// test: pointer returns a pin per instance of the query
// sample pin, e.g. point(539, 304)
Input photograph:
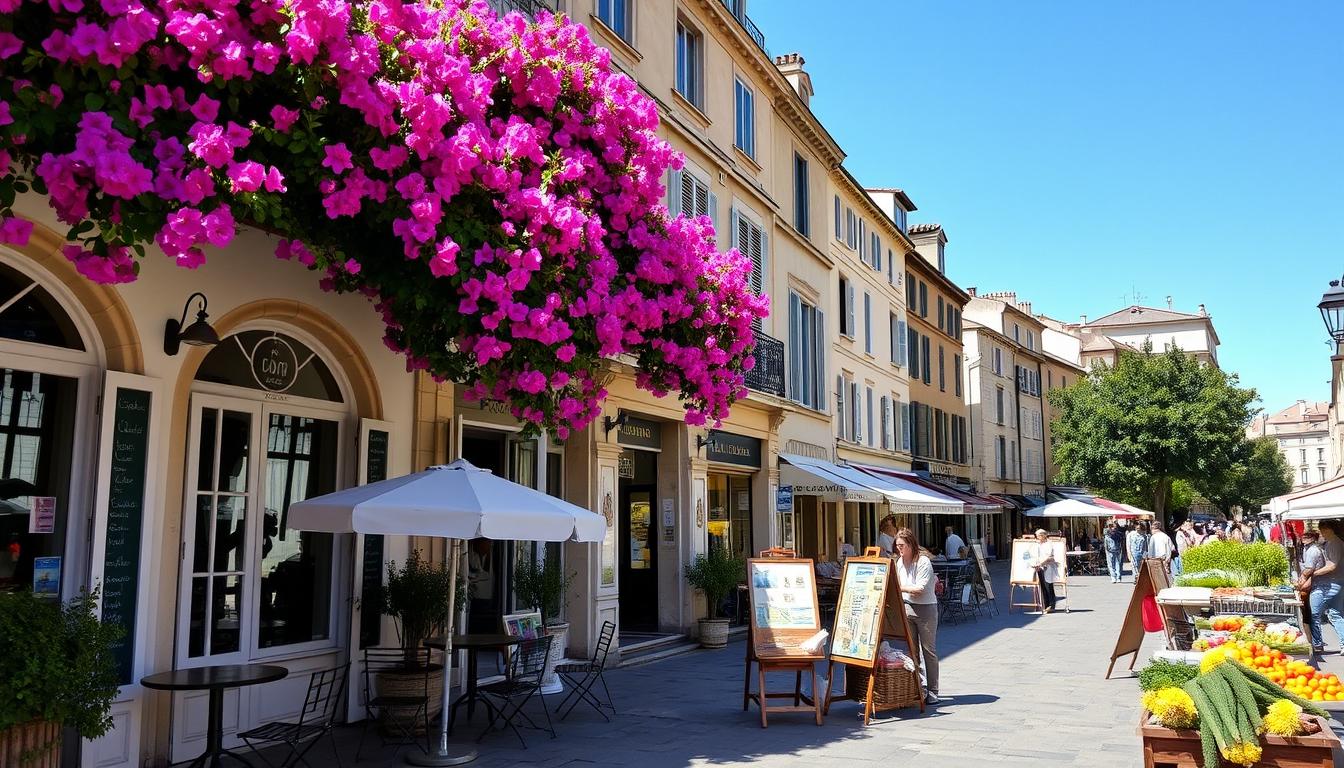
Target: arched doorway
point(271, 422)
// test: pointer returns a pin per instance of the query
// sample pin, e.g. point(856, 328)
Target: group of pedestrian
point(1320, 576)
point(1140, 541)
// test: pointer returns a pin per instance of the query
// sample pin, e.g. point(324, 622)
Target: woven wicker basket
point(893, 687)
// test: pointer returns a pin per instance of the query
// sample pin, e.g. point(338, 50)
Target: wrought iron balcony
point(738, 8)
point(529, 8)
point(768, 375)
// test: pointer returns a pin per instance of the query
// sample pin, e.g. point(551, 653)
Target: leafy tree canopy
point(1135, 428)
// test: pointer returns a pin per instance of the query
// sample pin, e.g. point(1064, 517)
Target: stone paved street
point(1021, 690)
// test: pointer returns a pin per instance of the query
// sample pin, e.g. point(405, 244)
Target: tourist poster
point(858, 617)
point(783, 595)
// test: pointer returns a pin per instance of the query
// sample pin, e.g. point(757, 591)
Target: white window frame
point(744, 118)
point(609, 21)
point(691, 69)
point(996, 361)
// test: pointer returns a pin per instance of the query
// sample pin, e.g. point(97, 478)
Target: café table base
point(214, 739)
point(442, 757)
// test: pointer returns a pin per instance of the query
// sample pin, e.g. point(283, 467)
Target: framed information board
point(859, 613)
point(375, 442)
point(784, 610)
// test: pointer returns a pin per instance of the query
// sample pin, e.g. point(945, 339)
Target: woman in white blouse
point(1047, 570)
point(921, 607)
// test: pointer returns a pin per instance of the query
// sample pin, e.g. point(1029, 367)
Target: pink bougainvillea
point(490, 184)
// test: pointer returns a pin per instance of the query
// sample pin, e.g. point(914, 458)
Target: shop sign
point(43, 516)
point(371, 577)
point(275, 366)
point(641, 433)
point(129, 454)
point(784, 498)
point(669, 523)
point(625, 467)
point(728, 448)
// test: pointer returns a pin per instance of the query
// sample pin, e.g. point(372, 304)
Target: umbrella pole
point(445, 756)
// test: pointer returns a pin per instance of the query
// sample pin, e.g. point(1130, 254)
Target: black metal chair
point(326, 695)
point(582, 676)
point(506, 698)
point(401, 709)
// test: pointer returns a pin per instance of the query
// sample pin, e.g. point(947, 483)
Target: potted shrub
point(543, 586)
point(716, 573)
point(58, 671)
point(416, 597)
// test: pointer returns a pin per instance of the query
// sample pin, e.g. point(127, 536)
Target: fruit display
point(1229, 702)
point(1279, 636)
point(1229, 623)
point(1294, 676)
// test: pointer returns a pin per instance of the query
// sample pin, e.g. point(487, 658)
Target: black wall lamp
point(706, 439)
point(608, 423)
point(198, 334)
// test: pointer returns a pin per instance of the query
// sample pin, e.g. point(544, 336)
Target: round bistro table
point(472, 644)
point(216, 680)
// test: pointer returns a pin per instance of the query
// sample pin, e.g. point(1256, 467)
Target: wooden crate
point(1168, 748)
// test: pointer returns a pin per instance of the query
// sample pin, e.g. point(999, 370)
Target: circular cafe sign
point(275, 366)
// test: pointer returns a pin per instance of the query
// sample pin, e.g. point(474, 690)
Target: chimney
point(971, 291)
point(1301, 409)
point(1202, 311)
point(1083, 320)
point(790, 65)
point(1168, 302)
point(1025, 306)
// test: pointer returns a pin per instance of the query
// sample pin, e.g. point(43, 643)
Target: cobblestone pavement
point(1019, 689)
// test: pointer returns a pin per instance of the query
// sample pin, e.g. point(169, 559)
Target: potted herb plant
point(416, 597)
point(542, 586)
point(58, 670)
point(716, 573)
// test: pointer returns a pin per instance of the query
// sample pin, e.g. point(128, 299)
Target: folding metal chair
point(506, 698)
point(414, 701)
point(583, 676)
point(326, 694)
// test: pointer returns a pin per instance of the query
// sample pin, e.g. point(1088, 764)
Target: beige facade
point(1136, 325)
point(1303, 434)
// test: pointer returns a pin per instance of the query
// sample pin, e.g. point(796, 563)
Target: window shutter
point(821, 343)
point(842, 428)
point(856, 412)
point(700, 193)
point(733, 233)
point(795, 347)
point(877, 252)
point(849, 300)
point(887, 425)
point(867, 322)
point(871, 430)
point(839, 225)
point(902, 352)
point(891, 268)
point(863, 246)
point(714, 210)
point(674, 194)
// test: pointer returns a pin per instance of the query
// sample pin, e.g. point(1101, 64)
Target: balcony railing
point(529, 8)
point(768, 375)
point(738, 8)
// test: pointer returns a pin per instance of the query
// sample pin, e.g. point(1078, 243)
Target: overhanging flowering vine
point(490, 184)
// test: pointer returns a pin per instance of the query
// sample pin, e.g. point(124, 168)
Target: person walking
point(1134, 547)
point(1114, 543)
point(1047, 569)
point(1332, 588)
point(921, 607)
point(1236, 533)
point(1185, 539)
point(1313, 559)
point(1160, 546)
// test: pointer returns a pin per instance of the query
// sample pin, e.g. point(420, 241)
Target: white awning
point(909, 497)
point(814, 477)
point(1071, 507)
point(1322, 501)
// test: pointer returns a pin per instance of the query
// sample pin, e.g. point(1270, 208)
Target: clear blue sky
point(1078, 151)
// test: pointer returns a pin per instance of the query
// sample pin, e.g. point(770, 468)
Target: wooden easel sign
point(869, 610)
point(1022, 575)
point(784, 616)
point(979, 551)
point(1152, 579)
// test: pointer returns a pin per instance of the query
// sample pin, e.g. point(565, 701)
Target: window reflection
point(301, 462)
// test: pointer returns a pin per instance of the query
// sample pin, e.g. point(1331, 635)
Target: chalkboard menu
point(371, 579)
point(125, 518)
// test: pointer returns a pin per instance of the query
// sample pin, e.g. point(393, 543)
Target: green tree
point(1135, 428)
point(1259, 474)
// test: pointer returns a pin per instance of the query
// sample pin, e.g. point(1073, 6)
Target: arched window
point(271, 362)
point(29, 313)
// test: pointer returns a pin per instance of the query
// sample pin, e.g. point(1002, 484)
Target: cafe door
point(638, 536)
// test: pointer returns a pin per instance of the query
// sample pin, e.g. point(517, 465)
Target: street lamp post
point(1332, 312)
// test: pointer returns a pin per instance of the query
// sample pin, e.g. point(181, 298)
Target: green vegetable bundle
point(1231, 700)
point(1166, 674)
point(1262, 562)
point(1214, 578)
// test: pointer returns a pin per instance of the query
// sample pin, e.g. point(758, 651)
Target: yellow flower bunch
point(1213, 658)
point(1172, 707)
point(1243, 753)
point(1282, 718)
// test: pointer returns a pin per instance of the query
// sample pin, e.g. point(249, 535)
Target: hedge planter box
point(35, 744)
point(1168, 748)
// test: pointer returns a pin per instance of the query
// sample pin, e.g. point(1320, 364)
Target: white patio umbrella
point(1069, 508)
point(458, 501)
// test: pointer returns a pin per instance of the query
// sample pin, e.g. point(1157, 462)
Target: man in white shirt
point(1160, 546)
point(953, 548)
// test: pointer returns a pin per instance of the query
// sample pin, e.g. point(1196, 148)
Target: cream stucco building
point(1302, 431)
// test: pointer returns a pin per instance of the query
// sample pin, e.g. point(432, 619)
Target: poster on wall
point(858, 616)
point(1025, 553)
point(47, 577)
point(43, 516)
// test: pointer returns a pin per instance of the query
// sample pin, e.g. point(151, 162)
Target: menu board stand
point(1021, 575)
point(1152, 578)
point(779, 625)
point(870, 609)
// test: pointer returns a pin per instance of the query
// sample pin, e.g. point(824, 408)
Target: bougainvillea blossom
point(490, 184)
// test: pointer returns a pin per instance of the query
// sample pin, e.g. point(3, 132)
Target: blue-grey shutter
point(821, 402)
point(714, 210)
point(674, 193)
point(867, 322)
point(842, 429)
point(795, 347)
point(902, 353)
point(849, 301)
point(905, 426)
point(856, 412)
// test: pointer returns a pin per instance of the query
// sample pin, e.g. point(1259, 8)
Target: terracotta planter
point(713, 633)
point(410, 683)
point(35, 744)
point(1168, 748)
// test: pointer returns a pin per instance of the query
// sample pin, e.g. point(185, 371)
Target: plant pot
point(713, 633)
point(550, 681)
point(409, 683)
point(34, 744)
